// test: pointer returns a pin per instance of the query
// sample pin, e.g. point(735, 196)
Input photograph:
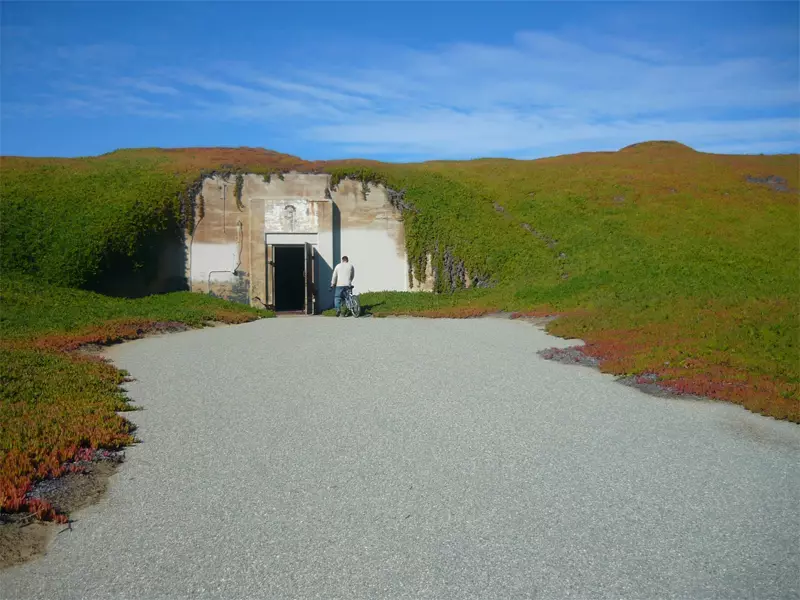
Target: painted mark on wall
point(291, 215)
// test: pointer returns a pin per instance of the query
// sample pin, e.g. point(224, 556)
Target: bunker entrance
point(291, 277)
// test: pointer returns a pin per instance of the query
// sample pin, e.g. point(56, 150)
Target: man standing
point(343, 276)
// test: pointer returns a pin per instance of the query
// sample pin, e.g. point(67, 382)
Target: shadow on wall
point(157, 267)
point(324, 275)
point(325, 270)
point(337, 234)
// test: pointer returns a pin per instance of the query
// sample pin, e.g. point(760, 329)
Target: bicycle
point(351, 302)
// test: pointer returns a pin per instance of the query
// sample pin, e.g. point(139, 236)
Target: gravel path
point(401, 458)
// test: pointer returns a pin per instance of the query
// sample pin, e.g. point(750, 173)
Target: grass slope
point(676, 264)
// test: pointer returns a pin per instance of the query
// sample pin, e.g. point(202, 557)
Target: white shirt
point(343, 275)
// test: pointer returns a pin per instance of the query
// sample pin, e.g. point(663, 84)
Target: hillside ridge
point(242, 154)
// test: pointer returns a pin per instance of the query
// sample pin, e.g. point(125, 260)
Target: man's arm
point(352, 274)
point(333, 279)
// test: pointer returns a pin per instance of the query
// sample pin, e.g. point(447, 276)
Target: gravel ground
point(402, 458)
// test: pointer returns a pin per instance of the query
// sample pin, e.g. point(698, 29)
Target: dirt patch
point(78, 490)
point(162, 327)
point(771, 181)
point(534, 318)
point(648, 383)
point(92, 349)
point(23, 538)
point(644, 382)
point(158, 328)
point(569, 356)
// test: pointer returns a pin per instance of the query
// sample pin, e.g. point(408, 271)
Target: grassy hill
point(665, 260)
point(677, 264)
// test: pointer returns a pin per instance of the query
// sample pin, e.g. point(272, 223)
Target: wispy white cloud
point(303, 87)
point(540, 92)
point(451, 134)
point(95, 100)
point(145, 85)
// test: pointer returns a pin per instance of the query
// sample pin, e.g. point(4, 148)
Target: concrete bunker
point(276, 245)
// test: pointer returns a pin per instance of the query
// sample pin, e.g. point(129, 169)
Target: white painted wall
point(378, 264)
point(213, 257)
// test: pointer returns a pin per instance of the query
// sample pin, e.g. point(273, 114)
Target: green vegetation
point(460, 304)
point(66, 221)
point(663, 259)
point(33, 310)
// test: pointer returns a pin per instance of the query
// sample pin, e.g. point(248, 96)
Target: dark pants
point(338, 297)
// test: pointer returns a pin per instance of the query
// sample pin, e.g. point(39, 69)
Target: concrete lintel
point(291, 238)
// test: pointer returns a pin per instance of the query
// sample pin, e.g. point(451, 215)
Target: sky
point(398, 81)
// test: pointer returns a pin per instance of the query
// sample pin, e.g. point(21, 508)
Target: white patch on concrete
point(374, 254)
point(208, 258)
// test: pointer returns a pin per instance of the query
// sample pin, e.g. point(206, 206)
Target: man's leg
point(337, 299)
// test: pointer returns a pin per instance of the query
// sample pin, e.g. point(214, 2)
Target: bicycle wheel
point(353, 305)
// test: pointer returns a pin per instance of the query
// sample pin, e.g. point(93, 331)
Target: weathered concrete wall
point(219, 253)
point(227, 253)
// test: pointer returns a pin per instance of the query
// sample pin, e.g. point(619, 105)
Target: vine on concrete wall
point(200, 206)
point(397, 199)
point(268, 175)
point(237, 190)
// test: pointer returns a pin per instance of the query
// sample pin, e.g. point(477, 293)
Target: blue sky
point(399, 81)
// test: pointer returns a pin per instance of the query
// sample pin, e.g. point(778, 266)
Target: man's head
point(344, 259)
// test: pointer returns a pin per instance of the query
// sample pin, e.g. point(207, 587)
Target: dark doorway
point(290, 283)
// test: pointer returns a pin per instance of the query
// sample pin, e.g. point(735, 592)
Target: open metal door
point(271, 276)
point(311, 288)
